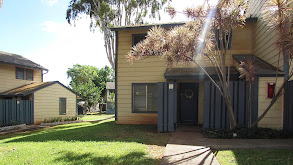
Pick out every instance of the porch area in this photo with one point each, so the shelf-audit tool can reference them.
(189, 97)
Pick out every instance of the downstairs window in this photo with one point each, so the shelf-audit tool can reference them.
(145, 98)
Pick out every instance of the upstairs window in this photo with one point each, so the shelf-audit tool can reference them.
(19, 73)
(144, 98)
(136, 38)
(62, 106)
(24, 74)
(29, 74)
(223, 40)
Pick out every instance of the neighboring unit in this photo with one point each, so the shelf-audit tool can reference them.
(25, 98)
(147, 92)
(110, 97)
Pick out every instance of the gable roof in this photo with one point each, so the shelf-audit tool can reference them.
(30, 88)
(10, 58)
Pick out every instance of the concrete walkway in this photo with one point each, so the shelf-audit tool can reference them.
(188, 146)
(182, 150)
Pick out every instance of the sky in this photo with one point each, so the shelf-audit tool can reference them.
(38, 30)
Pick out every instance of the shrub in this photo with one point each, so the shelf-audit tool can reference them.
(246, 133)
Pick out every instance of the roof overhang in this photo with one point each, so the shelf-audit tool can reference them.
(196, 73)
(163, 25)
(147, 26)
(262, 68)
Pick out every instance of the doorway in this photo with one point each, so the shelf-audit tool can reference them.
(188, 103)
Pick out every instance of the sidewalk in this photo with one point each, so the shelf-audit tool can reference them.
(188, 146)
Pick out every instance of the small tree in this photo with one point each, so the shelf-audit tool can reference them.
(90, 83)
(82, 77)
(208, 36)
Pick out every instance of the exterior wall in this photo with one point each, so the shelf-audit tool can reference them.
(9, 81)
(264, 42)
(46, 102)
(152, 69)
(274, 118)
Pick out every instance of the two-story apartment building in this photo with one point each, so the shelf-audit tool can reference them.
(147, 92)
(22, 79)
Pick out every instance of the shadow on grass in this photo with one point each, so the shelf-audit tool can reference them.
(88, 158)
(105, 131)
(255, 156)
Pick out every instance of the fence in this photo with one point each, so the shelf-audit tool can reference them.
(16, 112)
(288, 108)
(215, 110)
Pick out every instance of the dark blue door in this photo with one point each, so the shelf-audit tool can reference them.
(188, 103)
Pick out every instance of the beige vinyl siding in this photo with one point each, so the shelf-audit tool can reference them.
(152, 69)
(46, 102)
(265, 37)
(8, 77)
(274, 118)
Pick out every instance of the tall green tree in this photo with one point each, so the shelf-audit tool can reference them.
(90, 82)
(109, 13)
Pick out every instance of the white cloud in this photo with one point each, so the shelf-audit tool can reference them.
(74, 45)
(49, 2)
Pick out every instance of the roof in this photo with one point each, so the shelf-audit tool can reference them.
(147, 26)
(30, 88)
(183, 73)
(110, 85)
(9, 58)
(262, 68)
(164, 25)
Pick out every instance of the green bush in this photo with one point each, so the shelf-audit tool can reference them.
(60, 119)
(245, 133)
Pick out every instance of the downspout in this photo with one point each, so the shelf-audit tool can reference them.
(43, 75)
(116, 64)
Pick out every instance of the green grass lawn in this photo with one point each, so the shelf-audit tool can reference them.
(94, 116)
(85, 143)
(255, 157)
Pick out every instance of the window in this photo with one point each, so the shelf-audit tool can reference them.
(136, 38)
(144, 98)
(19, 73)
(24, 74)
(29, 74)
(219, 43)
(62, 106)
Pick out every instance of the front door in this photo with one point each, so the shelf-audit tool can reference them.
(188, 103)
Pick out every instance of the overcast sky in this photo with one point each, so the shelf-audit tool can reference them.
(38, 30)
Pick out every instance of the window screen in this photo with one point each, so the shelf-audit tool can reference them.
(19, 73)
(136, 38)
(29, 74)
(62, 106)
(145, 98)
